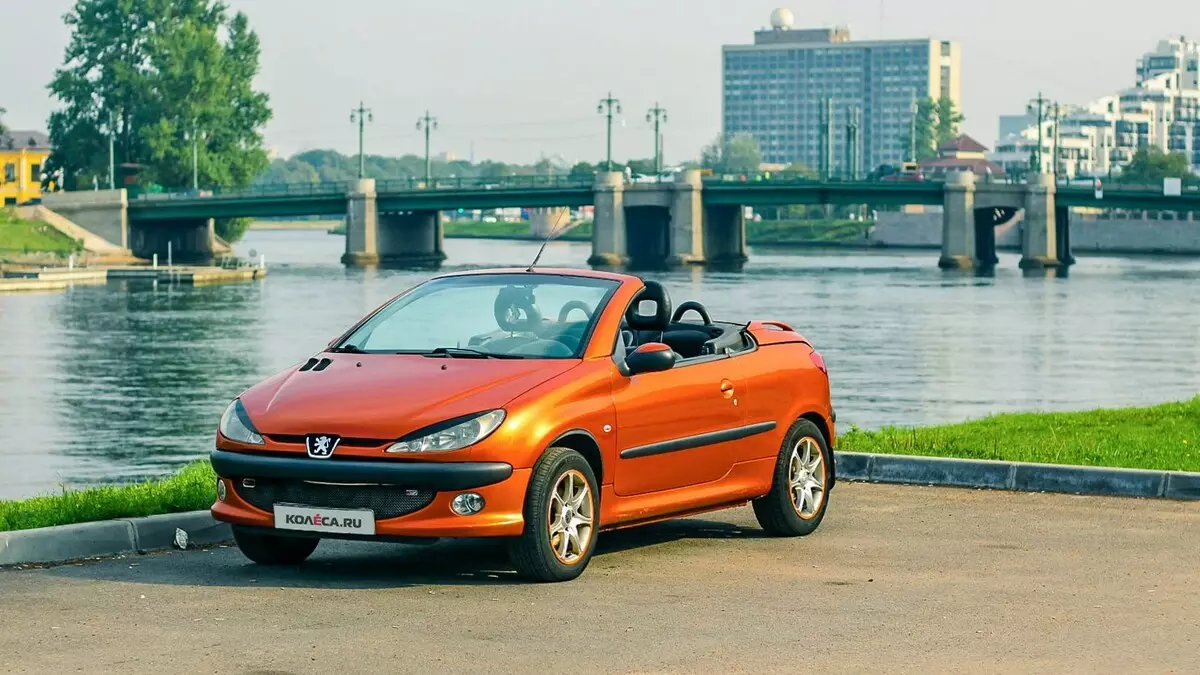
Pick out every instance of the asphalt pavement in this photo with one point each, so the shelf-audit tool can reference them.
(897, 580)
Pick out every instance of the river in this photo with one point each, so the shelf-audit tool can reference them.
(125, 381)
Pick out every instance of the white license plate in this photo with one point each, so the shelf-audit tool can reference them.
(341, 521)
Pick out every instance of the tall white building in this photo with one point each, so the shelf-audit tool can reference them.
(773, 90)
(1162, 109)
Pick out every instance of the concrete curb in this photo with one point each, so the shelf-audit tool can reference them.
(138, 535)
(1016, 476)
(109, 537)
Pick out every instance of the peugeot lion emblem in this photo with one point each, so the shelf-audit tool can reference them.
(322, 446)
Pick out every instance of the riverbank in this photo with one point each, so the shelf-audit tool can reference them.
(22, 239)
(758, 233)
(1163, 437)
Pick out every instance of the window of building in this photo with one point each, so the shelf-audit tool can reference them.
(35, 173)
(10, 172)
(945, 49)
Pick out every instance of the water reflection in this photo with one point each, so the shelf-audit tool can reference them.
(127, 380)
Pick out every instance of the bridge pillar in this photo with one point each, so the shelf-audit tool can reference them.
(1039, 238)
(608, 225)
(410, 238)
(687, 219)
(958, 221)
(725, 234)
(361, 224)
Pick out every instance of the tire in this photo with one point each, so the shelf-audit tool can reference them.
(270, 549)
(781, 512)
(537, 554)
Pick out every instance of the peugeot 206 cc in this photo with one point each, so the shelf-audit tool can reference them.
(541, 407)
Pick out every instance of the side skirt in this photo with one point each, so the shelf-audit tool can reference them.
(745, 481)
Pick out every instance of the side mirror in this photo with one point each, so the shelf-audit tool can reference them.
(651, 357)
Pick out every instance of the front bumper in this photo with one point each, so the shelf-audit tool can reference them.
(501, 486)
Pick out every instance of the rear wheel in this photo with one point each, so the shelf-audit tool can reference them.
(562, 514)
(799, 494)
(271, 549)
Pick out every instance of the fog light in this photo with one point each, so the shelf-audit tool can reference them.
(467, 504)
(220, 489)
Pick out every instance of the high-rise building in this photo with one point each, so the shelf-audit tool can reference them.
(776, 90)
(1098, 138)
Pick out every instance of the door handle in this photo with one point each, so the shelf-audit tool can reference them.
(726, 388)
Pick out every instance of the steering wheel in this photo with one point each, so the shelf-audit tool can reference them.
(694, 306)
(515, 310)
(573, 305)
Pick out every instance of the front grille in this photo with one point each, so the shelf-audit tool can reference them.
(343, 443)
(387, 501)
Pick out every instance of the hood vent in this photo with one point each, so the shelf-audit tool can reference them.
(315, 364)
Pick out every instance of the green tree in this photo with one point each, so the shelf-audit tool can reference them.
(583, 170)
(948, 120)
(1149, 165)
(150, 73)
(736, 155)
(926, 130)
(3, 128)
(644, 167)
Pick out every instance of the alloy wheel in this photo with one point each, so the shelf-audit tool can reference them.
(570, 517)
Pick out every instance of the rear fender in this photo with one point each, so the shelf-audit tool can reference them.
(775, 333)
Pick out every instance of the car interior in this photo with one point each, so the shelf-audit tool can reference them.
(650, 318)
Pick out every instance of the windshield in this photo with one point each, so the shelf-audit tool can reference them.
(485, 315)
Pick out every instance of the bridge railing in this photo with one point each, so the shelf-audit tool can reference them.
(381, 185)
(263, 190)
(482, 183)
(796, 178)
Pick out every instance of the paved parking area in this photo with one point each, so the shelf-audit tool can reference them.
(897, 580)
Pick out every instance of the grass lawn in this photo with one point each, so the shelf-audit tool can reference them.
(32, 236)
(473, 228)
(1162, 437)
(766, 232)
(192, 488)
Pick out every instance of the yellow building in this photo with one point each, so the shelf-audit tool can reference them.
(22, 156)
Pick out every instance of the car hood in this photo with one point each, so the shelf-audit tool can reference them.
(385, 396)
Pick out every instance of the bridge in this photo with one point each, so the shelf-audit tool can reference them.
(692, 219)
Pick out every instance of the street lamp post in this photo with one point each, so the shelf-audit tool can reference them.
(361, 116)
(428, 124)
(1038, 106)
(658, 115)
(606, 107)
(112, 152)
(194, 136)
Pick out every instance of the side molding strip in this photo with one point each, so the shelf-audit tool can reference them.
(697, 441)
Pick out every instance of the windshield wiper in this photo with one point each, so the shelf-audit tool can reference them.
(346, 349)
(468, 353)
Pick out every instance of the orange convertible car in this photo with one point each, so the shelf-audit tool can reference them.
(538, 406)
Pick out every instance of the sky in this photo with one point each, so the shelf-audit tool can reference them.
(515, 80)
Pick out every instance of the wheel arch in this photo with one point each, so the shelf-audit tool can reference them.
(823, 426)
(583, 442)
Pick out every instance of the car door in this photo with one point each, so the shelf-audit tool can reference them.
(674, 427)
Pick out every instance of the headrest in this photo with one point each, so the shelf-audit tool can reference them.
(650, 309)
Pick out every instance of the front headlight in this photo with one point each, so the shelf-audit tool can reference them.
(236, 425)
(456, 437)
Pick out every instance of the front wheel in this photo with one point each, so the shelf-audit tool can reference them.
(562, 516)
(270, 549)
(799, 492)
